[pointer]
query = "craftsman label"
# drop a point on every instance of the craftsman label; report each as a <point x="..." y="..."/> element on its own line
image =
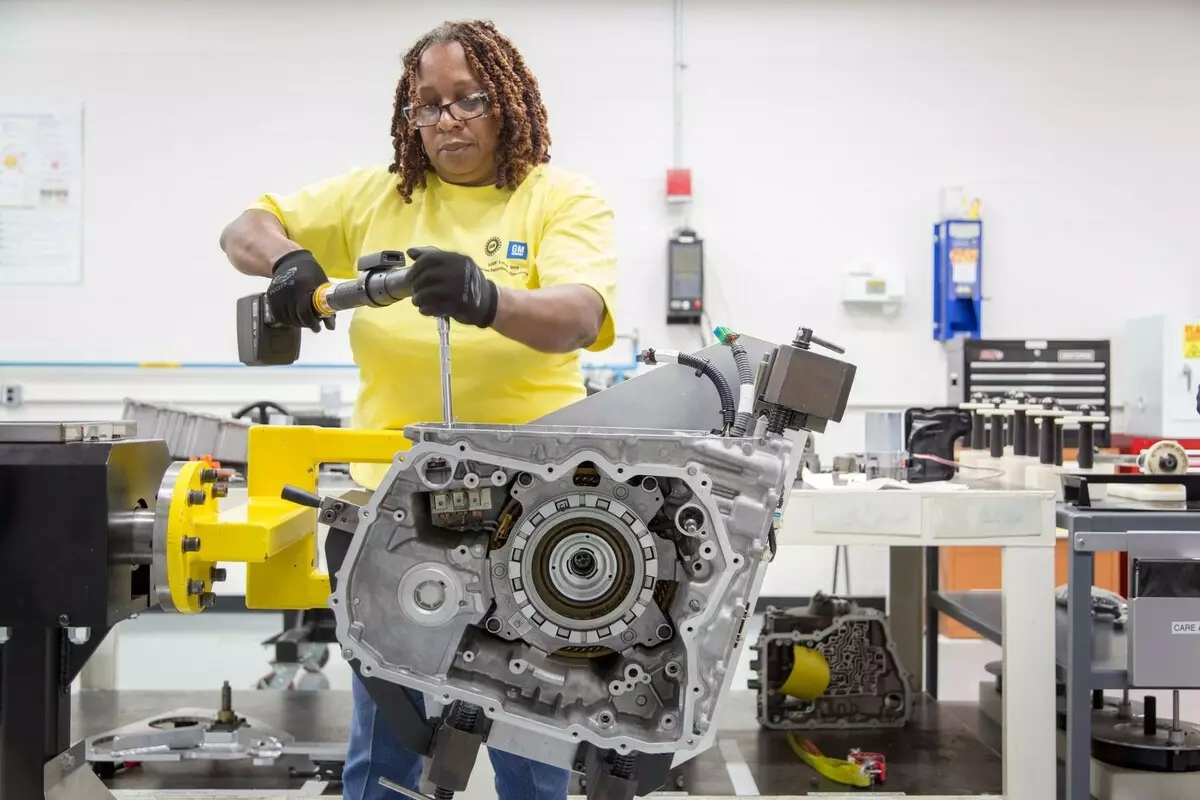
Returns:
<point x="1191" y="341"/>
<point x="1076" y="355"/>
<point x="1185" y="627"/>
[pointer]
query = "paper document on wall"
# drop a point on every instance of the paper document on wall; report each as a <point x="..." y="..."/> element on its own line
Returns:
<point x="41" y="195"/>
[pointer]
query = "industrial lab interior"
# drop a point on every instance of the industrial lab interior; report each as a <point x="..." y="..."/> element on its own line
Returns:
<point x="604" y="400"/>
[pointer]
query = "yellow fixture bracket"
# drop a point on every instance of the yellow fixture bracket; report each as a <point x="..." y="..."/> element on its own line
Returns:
<point x="275" y="538"/>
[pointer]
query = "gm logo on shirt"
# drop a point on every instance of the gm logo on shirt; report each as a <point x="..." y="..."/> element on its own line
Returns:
<point x="518" y="250"/>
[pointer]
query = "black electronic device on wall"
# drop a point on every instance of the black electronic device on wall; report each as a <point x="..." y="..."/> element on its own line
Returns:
<point x="685" y="278"/>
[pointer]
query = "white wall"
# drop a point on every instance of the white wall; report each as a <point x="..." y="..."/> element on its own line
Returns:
<point x="820" y="134"/>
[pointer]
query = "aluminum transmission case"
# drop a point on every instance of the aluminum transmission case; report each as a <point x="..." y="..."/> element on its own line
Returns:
<point x="580" y="585"/>
<point x="869" y="687"/>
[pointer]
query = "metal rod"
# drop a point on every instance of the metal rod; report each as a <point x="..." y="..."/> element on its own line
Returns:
<point x="402" y="790"/>
<point x="444" y="357"/>
<point x="677" y="85"/>
<point x="1175" y="735"/>
<point x="131" y="536"/>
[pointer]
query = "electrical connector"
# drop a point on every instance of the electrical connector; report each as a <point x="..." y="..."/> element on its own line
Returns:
<point x="724" y="335"/>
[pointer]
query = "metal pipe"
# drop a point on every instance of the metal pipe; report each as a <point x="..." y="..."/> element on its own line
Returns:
<point x="131" y="537"/>
<point x="677" y="83"/>
<point x="1175" y="735"/>
<point x="444" y="357"/>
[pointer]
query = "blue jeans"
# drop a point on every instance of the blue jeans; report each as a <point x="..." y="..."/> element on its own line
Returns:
<point x="375" y="751"/>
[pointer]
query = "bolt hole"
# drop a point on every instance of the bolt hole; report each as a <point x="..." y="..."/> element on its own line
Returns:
<point x="737" y="560"/>
<point x="574" y="734"/>
<point x="462" y="448"/>
<point x="649" y="484"/>
<point x="445" y="697"/>
<point x="690" y="629"/>
<point x="620" y="470"/>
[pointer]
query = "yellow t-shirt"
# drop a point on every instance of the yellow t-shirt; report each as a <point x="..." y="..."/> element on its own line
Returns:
<point x="554" y="229"/>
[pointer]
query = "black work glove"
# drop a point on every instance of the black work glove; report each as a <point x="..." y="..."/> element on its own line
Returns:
<point x="452" y="285"/>
<point x="290" y="296"/>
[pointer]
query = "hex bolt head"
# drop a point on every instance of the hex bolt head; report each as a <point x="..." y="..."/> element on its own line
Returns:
<point x="208" y="476"/>
<point x="217" y="574"/>
<point x="64" y="620"/>
<point x="220" y="490"/>
<point x="195" y="586"/>
<point x="196" y="497"/>
<point x="191" y="544"/>
<point x="208" y="600"/>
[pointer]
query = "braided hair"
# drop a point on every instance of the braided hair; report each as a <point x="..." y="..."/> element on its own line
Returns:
<point x="515" y="104"/>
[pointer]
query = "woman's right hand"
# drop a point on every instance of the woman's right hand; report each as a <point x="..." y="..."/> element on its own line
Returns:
<point x="295" y="277"/>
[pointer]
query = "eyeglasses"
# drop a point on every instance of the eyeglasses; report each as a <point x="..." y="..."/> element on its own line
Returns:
<point x="465" y="108"/>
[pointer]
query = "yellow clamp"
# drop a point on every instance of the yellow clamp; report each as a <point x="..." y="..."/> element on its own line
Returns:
<point x="275" y="538"/>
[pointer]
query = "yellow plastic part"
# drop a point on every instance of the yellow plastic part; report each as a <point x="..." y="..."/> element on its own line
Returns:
<point x="275" y="538"/>
<point x="809" y="677"/>
<point x="835" y="769"/>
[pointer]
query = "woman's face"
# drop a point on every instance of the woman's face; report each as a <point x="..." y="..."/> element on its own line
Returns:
<point x="462" y="151"/>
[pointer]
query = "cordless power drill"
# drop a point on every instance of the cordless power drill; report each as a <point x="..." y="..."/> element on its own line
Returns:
<point x="383" y="280"/>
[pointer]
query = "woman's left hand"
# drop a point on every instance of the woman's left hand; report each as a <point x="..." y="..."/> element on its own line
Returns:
<point x="452" y="285"/>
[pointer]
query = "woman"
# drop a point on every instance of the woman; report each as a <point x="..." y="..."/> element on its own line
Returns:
<point x="520" y="255"/>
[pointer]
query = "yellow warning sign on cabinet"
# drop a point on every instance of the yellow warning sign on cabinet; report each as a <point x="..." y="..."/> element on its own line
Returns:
<point x="1191" y="341"/>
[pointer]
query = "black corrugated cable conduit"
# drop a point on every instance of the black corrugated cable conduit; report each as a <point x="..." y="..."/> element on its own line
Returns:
<point x="745" y="407"/>
<point x="703" y="367"/>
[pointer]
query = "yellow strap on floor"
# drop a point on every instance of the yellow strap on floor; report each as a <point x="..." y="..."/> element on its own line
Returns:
<point x="835" y="769"/>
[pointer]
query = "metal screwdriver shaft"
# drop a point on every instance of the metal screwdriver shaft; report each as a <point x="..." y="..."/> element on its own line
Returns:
<point x="444" y="357"/>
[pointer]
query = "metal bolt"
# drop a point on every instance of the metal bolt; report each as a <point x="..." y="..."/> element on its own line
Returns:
<point x="356" y="601"/>
<point x="79" y="635"/>
<point x="499" y="571"/>
<point x="208" y="600"/>
<point x="399" y="515"/>
<point x="694" y="605"/>
<point x="217" y="574"/>
<point x="68" y="761"/>
<point x="195" y="586"/>
<point x="220" y="490"/>
<point x="477" y="550"/>
<point x="641" y="700"/>
<point x="628" y="636"/>
<point x="64" y="620"/>
<point x="196" y="497"/>
<point x="208" y="476"/>
<point x="347" y="653"/>
<point x="191" y="544"/>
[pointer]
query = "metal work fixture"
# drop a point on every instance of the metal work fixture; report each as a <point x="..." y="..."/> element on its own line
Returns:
<point x="574" y="590"/>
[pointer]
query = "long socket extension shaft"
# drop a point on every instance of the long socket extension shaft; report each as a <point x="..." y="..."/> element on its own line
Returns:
<point x="376" y="289"/>
<point x="444" y="361"/>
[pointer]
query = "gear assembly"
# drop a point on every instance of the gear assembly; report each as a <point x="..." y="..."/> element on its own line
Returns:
<point x="574" y="590"/>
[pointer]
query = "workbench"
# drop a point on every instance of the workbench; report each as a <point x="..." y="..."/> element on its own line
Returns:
<point x="911" y="520"/>
<point x="948" y="750"/>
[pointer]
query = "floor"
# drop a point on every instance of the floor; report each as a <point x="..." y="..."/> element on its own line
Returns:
<point x="162" y="652"/>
